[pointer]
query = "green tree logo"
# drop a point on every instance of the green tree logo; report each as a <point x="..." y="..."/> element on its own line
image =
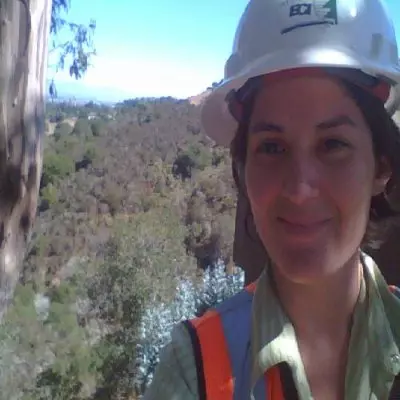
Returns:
<point x="329" y="11"/>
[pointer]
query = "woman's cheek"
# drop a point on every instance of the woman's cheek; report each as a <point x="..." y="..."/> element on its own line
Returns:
<point x="262" y="181"/>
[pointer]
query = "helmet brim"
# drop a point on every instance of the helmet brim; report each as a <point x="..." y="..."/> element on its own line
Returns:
<point x="220" y="125"/>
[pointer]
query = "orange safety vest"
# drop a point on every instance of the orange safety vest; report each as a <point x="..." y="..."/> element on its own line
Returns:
<point x="221" y="344"/>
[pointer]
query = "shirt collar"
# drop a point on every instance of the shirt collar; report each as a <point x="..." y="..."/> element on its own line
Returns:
<point x="383" y="317"/>
<point x="273" y="337"/>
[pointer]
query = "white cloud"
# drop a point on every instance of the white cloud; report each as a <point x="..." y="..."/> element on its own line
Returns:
<point x="149" y="77"/>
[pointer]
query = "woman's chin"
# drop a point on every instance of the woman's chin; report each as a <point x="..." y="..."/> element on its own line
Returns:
<point x="305" y="265"/>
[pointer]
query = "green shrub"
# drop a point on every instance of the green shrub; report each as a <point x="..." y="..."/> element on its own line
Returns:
<point x="62" y="129"/>
<point x="113" y="196"/>
<point x="196" y="156"/>
<point x="190" y="301"/>
<point x="99" y="127"/>
<point x="82" y="127"/>
<point x="49" y="195"/>
<point x="22" y="346"/>
<point x="67" y="144"/>
<point x="56" y="167"/>
<point x="141" y="256"/>
<point x="90" y="153"/>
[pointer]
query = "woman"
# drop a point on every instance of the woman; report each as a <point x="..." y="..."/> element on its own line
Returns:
<point x="310" y="86"/>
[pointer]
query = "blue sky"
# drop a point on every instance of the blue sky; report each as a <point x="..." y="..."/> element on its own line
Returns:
<point x="158" y="47"/>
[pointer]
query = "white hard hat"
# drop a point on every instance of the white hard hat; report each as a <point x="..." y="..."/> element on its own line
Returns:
<point x="281" y="35"/>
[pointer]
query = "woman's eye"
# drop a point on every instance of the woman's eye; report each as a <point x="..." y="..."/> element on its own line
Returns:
<point x="271" y="148"/>
<point x="334" y="144"/>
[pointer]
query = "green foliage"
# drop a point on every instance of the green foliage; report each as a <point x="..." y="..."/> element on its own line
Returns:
<point x="113" y="196"/>
<point x="46" y="354"/>
<point x="68" y="109"/>
<point x="55" y="115"/>
<point x="151" y="249"/>
<point x="144" y="119"/>
<point x="220" y="156"/>
<point x="49" y="194"/>
<point x="60" y="385"/>
<point x="90" y="153"/>
<point x="183" y="166"/>
<point x="62" y="129"/>
<point x="56" y="167"/>
<point x="82" y="128"/>
<point x="23" y="303"/>
<point x="22" y="343"/>
<point x="67" y="144"/>
<point x="195" y="156"/>
<point x="189" y="302"/>
<point x="39" y="245"/>
<point x="83" y="113"/>
<point x="78" y="50"/>
<point x="65" y="293"/>
<point x="52" y="355"/>
<point x="201" y="155"/>
<point x="118" y="298"/>
<point x="134" y="169"/>
<point x="160" y="229"/>
<point x="145" y="253"/>
<point x="72" y="368"/>
<point x="99" y="127"/>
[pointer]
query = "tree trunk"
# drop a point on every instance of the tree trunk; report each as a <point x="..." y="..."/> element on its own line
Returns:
<point x="24" y="33"/>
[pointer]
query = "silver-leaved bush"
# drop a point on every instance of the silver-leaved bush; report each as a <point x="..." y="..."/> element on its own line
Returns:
<point x="190" y="301"/>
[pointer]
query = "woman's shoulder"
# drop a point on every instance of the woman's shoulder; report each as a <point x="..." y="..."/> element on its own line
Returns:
<point x="176" y="373"/>
<point x="175" y="376"/>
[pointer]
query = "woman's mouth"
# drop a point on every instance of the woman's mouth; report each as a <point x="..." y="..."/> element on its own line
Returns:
<point x="303" y="228"/>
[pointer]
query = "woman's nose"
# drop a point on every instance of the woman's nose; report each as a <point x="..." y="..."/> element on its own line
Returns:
<point x="300" y="180"/>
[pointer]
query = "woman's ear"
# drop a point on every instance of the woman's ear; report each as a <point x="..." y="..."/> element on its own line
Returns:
<point x="383" y="174"/>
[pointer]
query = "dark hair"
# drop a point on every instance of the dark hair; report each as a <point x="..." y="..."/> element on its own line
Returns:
<point x="385" y="207"/>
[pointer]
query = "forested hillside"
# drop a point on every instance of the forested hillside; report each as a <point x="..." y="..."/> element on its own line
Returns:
<point x="135" y="202"/>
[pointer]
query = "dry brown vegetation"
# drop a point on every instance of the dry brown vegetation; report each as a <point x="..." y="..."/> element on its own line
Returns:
<point x="133" y="198"/>
<point x="148" y="155"/>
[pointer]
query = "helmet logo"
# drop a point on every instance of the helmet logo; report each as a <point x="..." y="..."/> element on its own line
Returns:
<point x="300" y="9"/>
<point x="305" y="13"/>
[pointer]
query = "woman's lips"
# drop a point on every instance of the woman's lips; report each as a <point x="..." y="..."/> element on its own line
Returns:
<point x="303" y="228"/>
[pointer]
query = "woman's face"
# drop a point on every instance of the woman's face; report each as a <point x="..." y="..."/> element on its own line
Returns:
<point x="310" y="174"/>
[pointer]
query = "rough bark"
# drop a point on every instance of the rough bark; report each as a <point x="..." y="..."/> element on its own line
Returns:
<point x="24" y="32"/>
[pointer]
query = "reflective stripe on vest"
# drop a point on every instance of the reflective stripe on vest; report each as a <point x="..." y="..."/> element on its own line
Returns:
<point x="221" y="339"/>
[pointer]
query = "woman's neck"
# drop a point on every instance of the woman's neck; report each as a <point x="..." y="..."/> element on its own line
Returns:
<point x="325" y="307"/>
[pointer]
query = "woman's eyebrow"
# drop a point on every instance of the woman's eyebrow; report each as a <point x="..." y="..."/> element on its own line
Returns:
<point x="265" y="126"/>
<point x="336" y="121"/>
